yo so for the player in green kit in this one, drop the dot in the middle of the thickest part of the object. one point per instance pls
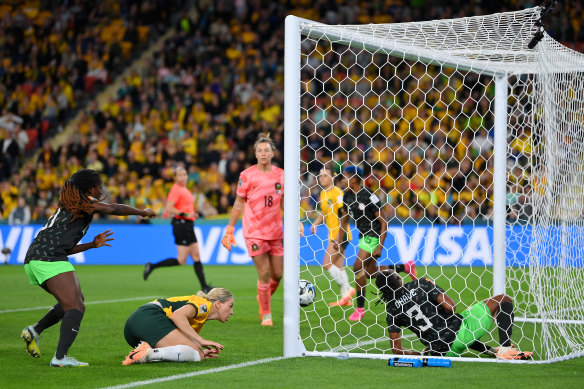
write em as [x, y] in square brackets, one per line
[425, 309]
[365, 208]
[47, 265]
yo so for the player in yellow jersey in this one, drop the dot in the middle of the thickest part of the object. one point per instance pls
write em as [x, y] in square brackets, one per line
[168, 329]
[331, 200]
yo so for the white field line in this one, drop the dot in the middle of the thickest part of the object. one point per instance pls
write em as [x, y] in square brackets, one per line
[87, 303]
[194, 373]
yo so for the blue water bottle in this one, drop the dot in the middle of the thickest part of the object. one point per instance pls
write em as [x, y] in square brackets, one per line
[419, 362]
[405, 362]
[437, 362]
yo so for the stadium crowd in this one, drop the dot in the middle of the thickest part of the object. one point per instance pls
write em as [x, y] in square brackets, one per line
[204, 97]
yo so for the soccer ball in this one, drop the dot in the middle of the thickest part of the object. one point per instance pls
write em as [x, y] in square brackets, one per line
[306, 292]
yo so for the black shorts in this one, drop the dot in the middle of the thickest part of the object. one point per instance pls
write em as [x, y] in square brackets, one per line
[184, 232]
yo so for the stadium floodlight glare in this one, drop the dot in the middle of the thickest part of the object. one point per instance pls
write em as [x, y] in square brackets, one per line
[476, 144]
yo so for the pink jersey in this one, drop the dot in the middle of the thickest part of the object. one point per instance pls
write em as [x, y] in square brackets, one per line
[263, 193]
[183, 200]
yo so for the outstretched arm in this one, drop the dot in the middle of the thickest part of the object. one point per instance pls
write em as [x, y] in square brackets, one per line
[396, 345]
[122, 210]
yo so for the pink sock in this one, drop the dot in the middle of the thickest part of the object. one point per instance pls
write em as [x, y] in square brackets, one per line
[273, 286]
[264, 298]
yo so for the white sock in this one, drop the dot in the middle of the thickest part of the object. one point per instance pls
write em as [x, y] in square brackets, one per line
[346, 286]
[178, 353]
[340, 277]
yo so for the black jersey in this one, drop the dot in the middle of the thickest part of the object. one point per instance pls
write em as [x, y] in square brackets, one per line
[363, 208]
[416, 308]
[58, 237]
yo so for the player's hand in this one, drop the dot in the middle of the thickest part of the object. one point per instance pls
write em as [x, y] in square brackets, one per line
[312, 229]
[228, 238]
[103, 238]
[301, 229]
[211, 353]
[210, 345]
[148, 213]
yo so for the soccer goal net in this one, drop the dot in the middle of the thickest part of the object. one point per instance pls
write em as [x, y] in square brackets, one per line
[473, 145]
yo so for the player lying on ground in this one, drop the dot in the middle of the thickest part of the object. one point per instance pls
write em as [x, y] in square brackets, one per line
[168, 329]
[425, 309]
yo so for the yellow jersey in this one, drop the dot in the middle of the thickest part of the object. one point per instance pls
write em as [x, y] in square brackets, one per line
[202, 305]
[331, 201]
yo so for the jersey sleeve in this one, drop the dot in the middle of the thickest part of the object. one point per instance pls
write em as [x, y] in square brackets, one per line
[243, 185]
[173, 195]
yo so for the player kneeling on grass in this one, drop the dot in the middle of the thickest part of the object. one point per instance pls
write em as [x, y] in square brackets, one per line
[425, 309]
[168, 329]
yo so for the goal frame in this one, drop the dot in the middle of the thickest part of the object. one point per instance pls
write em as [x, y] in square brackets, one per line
[295, 27]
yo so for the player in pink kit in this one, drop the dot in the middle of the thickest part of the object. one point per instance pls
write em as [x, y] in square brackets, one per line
[260, 194]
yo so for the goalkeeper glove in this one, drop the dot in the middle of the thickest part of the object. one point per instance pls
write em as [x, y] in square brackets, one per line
[228, 238]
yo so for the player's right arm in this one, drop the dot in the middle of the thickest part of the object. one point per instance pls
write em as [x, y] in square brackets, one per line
[446, 302]
[316, 222]
[180, 318]
[122, 210]
[396, 345]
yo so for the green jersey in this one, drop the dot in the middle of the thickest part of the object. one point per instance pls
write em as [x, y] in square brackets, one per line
[58, 236]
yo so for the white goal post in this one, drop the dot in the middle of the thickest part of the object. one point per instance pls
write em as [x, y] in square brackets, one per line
[474, 143]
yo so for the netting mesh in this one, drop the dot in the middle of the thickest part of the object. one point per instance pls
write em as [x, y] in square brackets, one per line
[413, 106]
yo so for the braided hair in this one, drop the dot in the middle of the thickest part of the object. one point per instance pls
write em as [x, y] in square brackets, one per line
[387, 281]
[74, 193]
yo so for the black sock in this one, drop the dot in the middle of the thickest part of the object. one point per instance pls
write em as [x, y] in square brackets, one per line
[480, 347]
[398, 268]
[69, 330]
[200, 274]
[361, 298]
[505, 319]
[165, 262]
[52, 317]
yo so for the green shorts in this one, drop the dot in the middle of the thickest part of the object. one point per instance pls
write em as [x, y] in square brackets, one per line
[368, 243]
[40, 271]
[148, 323]
[477, 320]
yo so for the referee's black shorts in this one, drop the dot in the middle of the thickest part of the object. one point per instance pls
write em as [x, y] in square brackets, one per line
[184, 232]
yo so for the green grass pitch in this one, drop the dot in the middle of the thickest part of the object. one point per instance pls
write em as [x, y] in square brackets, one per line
[113, 292]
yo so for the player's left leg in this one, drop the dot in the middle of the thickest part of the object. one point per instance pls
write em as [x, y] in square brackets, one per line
[65, 288]
[276, 258]
[31, 334]
[337, 270]
[360, 282]
[501, 308]
[262, 265]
